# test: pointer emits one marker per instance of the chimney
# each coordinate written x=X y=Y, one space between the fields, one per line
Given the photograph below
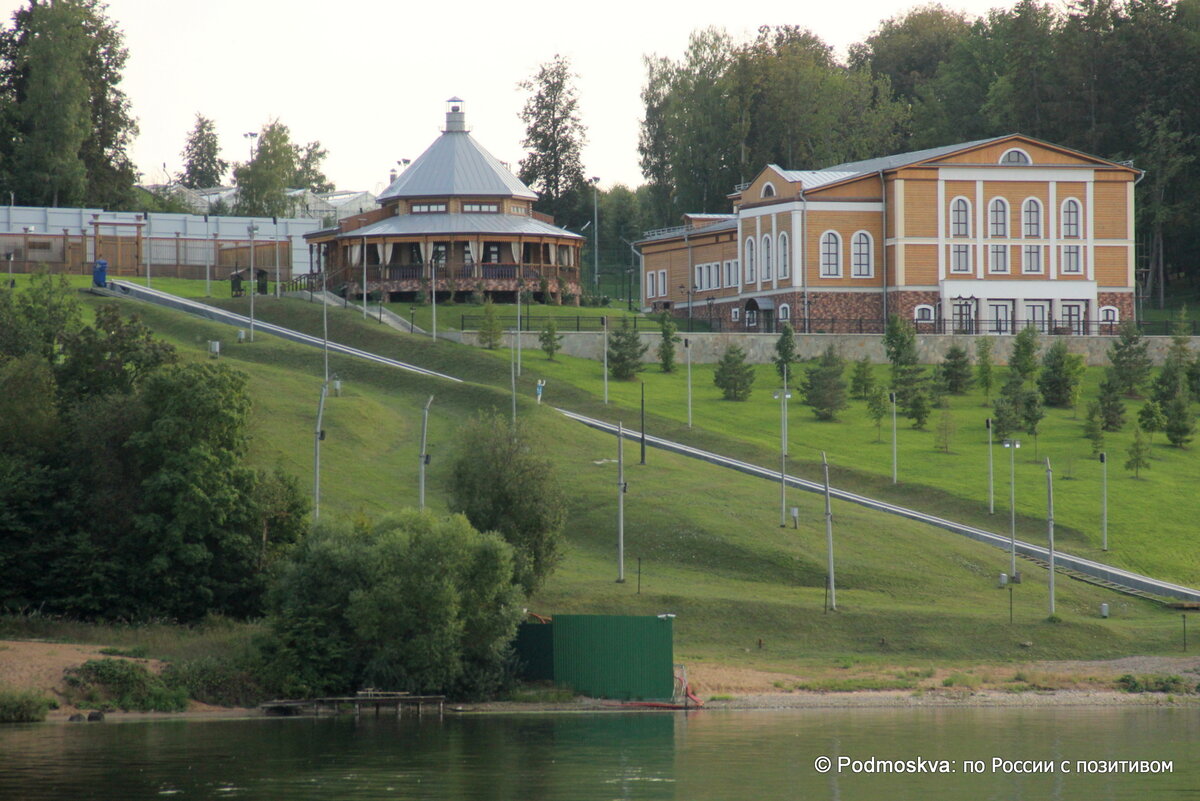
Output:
x=456 y=117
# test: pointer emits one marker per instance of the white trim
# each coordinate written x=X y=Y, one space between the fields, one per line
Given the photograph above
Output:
x=748 y=247
x=784 y=243
x=870 y=254
x=766 y=270
x=1090 y=246
x=1062 y=216
x=941 y=223
x=813 y=205
x=991 y=268
x=1017 y=289
x=1051 y=232
x=1007 y=217
x=663 y=290
x=980 y=228
x=784 y=314
x=1059 y=172
x=1129 y=229
x=1100 y=315
x=758 y=236
x=1041 y=234
x=821 y=254
x=917 y=318
x=735 y=313
x=762 y=193
x=951 y=211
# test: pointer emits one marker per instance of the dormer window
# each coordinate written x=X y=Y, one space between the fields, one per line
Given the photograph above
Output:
x=1015 y=156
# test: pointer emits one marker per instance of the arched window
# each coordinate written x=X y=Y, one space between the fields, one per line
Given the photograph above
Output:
x=998 y=218
x=785 y=312
x=1070 y=218
x=960 y=217
x=1015 y=156
x=862 y=263
x=831 y=255
x=768 y=190
x=749 y=261
x=1031 y=218
x=923 y=313
x=784 y=260
x=766 y=257
x=1110 y=315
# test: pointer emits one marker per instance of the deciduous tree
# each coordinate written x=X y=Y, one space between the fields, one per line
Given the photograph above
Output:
x=554 y=139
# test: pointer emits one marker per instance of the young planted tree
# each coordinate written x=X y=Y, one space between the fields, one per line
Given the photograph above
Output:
x=1032 y=414
x=1023 y=360
x=946 y=429
x=862 y=380
x=908 y=378
x=550 y=340
x=985 y=375
x=1129 y=359
x=733 y=376
x=824 y=389
x=1139 y=453
x=785 y=352
x=625 y=351
x=1152 y=418
x=919 y=408
x=878 y=407
x=956 y=370
x=1061 y=375
x=1112 y=410
x=1181 y=423
x=490 y=329
x=666 y=347
x=1092 y=429
x=1006 y=417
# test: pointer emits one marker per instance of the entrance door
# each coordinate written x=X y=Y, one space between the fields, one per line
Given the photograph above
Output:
x=964 y=318
x=1001 y=314
x=1072 y=314
x=1037 y=314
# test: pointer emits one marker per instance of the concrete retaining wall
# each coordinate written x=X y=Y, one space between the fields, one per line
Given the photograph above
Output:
x=760 y=348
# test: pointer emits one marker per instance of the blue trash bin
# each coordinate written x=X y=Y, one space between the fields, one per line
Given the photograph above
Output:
x=100 y=273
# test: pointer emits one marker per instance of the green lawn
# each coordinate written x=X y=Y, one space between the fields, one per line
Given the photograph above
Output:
x=184 y=287
x=709 y=541
x=533 y=315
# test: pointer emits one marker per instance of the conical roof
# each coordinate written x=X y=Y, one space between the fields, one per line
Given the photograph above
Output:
x=456 y=165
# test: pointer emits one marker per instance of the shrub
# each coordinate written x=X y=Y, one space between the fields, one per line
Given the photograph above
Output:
x=212 y=680
x=22 y=706
x=1151 y=684
x=121 y=684
x=733 y=376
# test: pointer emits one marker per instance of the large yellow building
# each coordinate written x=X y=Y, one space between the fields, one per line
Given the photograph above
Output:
x=979 y=237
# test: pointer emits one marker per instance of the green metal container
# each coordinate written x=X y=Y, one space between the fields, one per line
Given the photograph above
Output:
x=603 y=656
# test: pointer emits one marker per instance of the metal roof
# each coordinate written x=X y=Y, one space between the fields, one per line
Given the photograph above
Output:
x=464 y=224
x=729 y=223
x=812 y=179
x=901 y=159
x=454 y=165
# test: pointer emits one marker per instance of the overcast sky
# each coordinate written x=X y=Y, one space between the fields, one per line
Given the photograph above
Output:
x=369 y=78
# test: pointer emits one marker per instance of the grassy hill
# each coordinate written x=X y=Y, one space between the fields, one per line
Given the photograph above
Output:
x=710 y=545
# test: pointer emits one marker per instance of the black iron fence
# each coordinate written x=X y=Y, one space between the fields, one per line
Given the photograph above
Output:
x=577 y=322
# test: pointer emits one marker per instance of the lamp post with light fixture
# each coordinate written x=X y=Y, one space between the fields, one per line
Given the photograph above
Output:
x=1012 y=445
x=596 y=232
x=782 y=396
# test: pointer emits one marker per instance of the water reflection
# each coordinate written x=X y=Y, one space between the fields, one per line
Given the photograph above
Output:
x=700 y=756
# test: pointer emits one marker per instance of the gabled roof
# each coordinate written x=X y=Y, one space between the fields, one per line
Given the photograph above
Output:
x=903 y=159
x=455 y=165
x=812 y=179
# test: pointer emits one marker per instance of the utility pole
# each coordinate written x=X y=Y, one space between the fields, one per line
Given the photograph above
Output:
x=1050 y=526
x=829 y=535
x=687 y=347
x=1104 y=501
x=604 y=322
x=892 y=397
x=253 y=282
x=424 y=455
x=991 y=479
x=620 y=503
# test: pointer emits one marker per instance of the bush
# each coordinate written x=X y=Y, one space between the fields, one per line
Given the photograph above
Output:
x=22 y=706
x=121 y=684
x=212 y=680
x=1152 y=684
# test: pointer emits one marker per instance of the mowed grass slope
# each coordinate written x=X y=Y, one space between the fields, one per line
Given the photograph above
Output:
x=709 y=540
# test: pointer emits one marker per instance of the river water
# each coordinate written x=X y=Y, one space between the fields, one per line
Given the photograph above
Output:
x=705 y=755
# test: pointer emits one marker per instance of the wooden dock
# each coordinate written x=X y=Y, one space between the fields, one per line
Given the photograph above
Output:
x=376 y=699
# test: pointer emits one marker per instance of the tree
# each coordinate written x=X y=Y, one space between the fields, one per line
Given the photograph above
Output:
x=1092 y=429
x=984 y=374
x=1129 y=359
x=1023 y=360
x=919 y=408
x=490 y=329
x=1139 y=453
x=945 y=431
x=908 y=379
x=1112 y=410
x=264 y=180
x=785 y=352
x=824 y=389
x=1181 y=423
x=1061 y=375
x=1006 y=417
x=411 y=602
x=550 y=339
x=625 y=351
x=85 y=55
x=862 y=380
x=956 y=370
x=502 y=482
x=666 y=347
x=554 y=139
x=1152 y=418
x=733 y=376
x=878 y=408
x=202 y=163
x=50 y=313
x=113 y=354
x=308 y=174
x=1173 y=378
x=1032 y=414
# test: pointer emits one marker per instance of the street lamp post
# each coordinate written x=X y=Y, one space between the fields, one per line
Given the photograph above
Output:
x=596 y=232
x=604 y=323
x=1012 y=445
x=253 y=229
x=424 y=455
x=252 y=136
x=892 y=398
x=433 y=294
x=1050 y=526
x=1104 y=501
x=687 y=347
x=782 y=396
x=690 y=290
x=829 y=535
x=318 y=436
x=620 y=503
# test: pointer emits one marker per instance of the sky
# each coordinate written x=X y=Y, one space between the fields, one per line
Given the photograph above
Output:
x=369 y=78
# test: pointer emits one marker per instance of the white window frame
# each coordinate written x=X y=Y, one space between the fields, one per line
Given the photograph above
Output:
x=698 y=278
x=785 y=268
x=768 y=190
x=765 y=257
x=1029 y=231
x=1071 y=229
x=960 y=218
x=923 y=313
x=831 y=268
x=651 y=284
x=1072 y=260
x=662 y=283
x=1109 y=315
x=859 y=268
x=751 y=318
x=960 y=259
x=1031 y=259
x=994 y=264
x=749 y=260
x=998 y=231
x=735 y=313
x=785 y=313
x=1018 y=163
